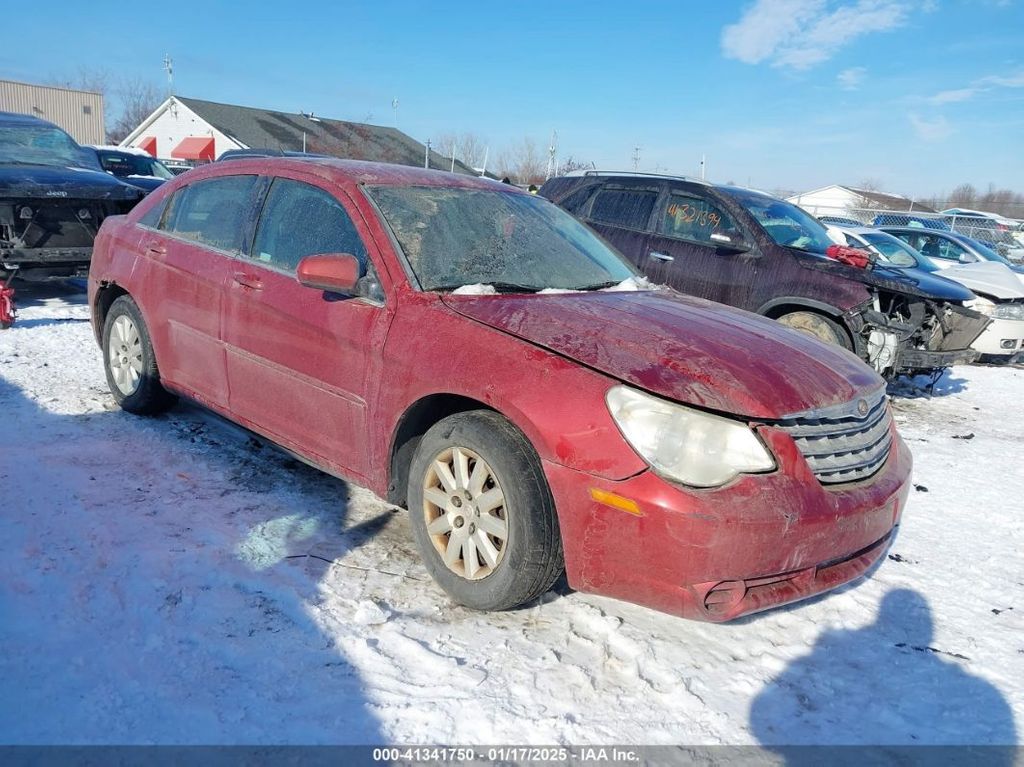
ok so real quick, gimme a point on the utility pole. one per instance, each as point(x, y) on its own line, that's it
point(426, 156)
point(169, 69)
point(487, 153)
point(394, 105)
point(552, 149)
point(636, 158)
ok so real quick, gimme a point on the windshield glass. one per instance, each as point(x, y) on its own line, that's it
point(455, 237)
point(894, 251)
point(128, 164)
point(987, 253)
point(784, 222)
point(41, 145)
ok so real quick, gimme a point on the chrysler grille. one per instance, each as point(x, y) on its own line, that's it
point(844, 444)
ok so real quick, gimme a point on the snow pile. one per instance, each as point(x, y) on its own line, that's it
point(172, 580)
point(125, 149)
point(633, 283)
point(477, 289)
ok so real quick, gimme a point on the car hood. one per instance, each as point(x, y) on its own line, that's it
point(988, 277)
point(894, 280)
point(145, 183)
point(52, 182)
point(942, 286)
point(686, 349)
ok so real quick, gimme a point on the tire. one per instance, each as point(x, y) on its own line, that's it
point(501, 488)
point(129, 361)
point(819, 326)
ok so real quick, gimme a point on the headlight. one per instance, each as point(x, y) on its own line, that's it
point(1008, 312)
point(980, 304)
point(684, 444)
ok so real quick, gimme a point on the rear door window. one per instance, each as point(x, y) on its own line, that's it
point(628, 208)
point(300, 220)
point(699, 220)
point(933, 246)
point(212, 212)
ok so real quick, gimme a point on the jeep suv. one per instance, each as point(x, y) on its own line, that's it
point(753, 251)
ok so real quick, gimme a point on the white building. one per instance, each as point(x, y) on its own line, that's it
point(200, 131)
point(837, 200)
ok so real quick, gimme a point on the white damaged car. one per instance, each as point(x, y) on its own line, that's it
point(999, 291)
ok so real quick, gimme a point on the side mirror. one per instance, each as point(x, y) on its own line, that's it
point(334, 272)
point(967, 258)
point(729, 243)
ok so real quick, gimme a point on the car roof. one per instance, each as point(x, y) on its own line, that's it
point(16, 118)
point(633, 174)
point(355, 171)
point(857, 229)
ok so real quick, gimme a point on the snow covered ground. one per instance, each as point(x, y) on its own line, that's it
point(172, 580)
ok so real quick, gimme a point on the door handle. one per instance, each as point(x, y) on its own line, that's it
point(661, 256)
point(156, 250)
point(248, 281)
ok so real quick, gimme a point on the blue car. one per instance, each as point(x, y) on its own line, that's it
point(949, 248)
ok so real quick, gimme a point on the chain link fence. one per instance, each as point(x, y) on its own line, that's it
point(1004, 235)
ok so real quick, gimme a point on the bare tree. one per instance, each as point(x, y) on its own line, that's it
point(963, 196)
point(138, 100)
point(571, 163)
point(468, 148)
point(870, 185)
point(523, 163)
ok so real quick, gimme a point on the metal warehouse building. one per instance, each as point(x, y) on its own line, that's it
point(80, 113)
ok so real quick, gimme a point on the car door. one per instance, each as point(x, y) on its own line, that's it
point(301, 362)
point(702, 250)
point(188, 256)
point(622, 215)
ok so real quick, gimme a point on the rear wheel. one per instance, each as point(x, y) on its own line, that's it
point(130, 364)
point(817, 325)
point(482, 513)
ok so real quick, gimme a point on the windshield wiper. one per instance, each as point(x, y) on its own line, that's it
point(599, 285)
point(500, 287)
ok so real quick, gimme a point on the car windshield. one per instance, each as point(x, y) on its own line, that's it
point(895, 252)
point(784, 222)
point(987, 253)
point(128, 164)
point(513, 242)
point(42, 145)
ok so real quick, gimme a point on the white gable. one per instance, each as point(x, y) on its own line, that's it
point(172, 123)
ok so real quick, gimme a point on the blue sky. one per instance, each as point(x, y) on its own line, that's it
point(919, 95)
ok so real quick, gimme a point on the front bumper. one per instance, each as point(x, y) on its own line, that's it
point(999, 336)
point(910, 360)
point(761, 541)
point(46, 263)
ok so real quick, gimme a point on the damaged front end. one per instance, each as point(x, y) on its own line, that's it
point(43, 238)
point(905, 334)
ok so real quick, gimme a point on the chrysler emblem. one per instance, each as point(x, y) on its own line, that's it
point(862, 407)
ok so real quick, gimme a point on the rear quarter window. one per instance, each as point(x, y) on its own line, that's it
point(628, 208)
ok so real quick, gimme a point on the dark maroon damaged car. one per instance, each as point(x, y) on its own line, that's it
point(756, 252)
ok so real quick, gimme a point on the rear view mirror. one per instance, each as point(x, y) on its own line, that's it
point(334, 272)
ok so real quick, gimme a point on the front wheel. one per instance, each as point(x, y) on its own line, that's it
point(130, 364)
point(482, 513)
point(819, 326)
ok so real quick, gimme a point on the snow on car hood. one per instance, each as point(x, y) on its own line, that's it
point(989, 277)
point(683, 348)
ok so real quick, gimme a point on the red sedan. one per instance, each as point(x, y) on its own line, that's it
point(472, 353)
